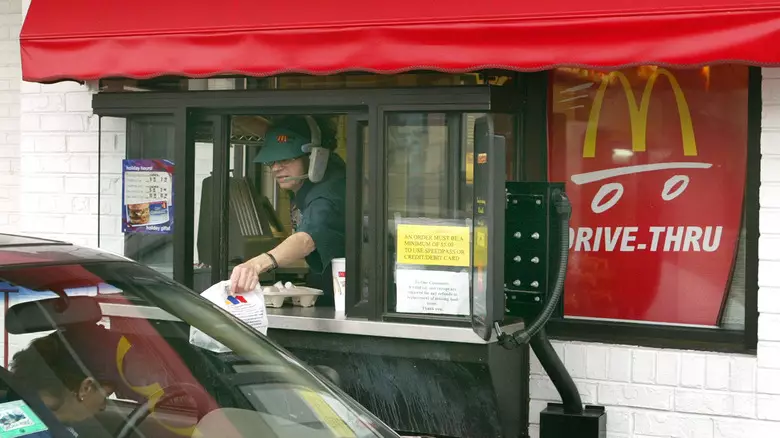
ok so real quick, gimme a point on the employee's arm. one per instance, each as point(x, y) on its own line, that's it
point(292, 249)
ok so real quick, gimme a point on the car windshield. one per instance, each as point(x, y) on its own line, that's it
point(122, 329)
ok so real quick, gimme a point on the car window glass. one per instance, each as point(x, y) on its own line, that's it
point(113, 338)
point(23, 414)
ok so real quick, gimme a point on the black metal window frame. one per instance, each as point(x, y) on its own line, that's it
point(361, 106)
point(528, 98)
point(533, 162)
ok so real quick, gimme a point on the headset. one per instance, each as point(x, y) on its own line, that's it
point(318, 155)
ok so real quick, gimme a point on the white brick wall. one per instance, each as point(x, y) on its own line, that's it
point(59, 143)
point(685, 394)
point(10, 79)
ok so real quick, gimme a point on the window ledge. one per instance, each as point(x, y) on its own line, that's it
point(654, 336)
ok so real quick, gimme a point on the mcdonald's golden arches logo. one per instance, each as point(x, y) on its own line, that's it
point(281, 138)
point(153, 393)
point(638, 114)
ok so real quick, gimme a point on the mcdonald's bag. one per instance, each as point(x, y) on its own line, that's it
point(248, 307)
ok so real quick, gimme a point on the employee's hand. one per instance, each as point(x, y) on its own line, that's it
point(244, 278)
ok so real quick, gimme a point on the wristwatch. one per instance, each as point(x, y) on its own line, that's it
point(273, 260)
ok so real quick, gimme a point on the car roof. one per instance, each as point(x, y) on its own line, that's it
point(17, 240)
point(16, 250)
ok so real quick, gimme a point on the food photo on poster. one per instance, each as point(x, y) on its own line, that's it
point(147, 196)
point(655, 164)
point(431, 269)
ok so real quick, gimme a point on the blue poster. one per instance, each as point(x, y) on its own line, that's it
point(147, 196)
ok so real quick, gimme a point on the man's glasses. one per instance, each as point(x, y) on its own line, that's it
point(280, 163)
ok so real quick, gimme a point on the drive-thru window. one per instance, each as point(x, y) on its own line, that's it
point(484, 154)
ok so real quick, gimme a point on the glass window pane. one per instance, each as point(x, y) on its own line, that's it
point(429, 206)
point(204, 198)
point(127, 333)
point(655, 166)
point(113, 147)
point(144, 238)
point(363, 144)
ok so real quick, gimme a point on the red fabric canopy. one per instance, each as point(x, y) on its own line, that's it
point(91, 39)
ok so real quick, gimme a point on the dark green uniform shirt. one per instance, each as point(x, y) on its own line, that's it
point(319, 210)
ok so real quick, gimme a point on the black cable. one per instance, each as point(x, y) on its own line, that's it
point(560, 377)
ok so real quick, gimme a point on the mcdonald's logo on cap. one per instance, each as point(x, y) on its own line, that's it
point(638, 114)
point(281, 138)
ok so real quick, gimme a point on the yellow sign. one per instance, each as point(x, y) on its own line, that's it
point(435, 245)
point(480, 246)
point(470, 168)
point(638, 114)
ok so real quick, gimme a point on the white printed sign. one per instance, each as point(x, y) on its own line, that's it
point(432, 292)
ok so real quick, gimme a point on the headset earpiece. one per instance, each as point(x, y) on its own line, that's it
point(318, 156)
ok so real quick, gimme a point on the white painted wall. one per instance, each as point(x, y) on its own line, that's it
point(52, 192)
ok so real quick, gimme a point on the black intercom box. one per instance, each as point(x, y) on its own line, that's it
point(532, 247)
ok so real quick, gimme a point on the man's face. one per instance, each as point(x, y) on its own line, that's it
point(289, 168)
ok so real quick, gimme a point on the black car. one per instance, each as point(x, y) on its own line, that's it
point(98, 345)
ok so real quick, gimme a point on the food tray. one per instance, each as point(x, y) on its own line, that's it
point(301, 296)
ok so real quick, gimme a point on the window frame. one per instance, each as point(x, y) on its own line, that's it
point(527, 99)
point(534, 166)
point(502, 103)
point(363, 104)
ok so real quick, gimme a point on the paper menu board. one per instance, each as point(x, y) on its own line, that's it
point(147, 196)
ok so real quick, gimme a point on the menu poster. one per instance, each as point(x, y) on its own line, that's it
point(147, 196)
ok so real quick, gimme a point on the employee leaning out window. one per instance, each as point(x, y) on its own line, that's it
point(315, 177)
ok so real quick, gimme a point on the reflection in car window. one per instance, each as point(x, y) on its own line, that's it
point(121, 329)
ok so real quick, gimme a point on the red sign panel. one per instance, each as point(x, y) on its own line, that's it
point(654, 163)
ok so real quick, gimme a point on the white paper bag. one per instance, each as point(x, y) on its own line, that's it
point(248, 307)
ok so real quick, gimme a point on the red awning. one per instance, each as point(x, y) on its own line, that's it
point(91, 39)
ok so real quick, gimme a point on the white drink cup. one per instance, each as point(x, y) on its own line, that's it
point(339, 267)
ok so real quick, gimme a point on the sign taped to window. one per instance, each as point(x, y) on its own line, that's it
point(433, 257)
point(433, 242)
point(147, 196)
point(654, 162)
